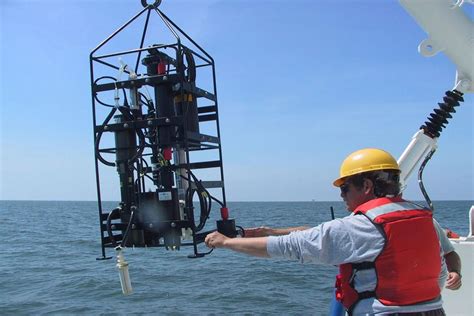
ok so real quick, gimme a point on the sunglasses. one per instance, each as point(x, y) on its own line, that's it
point(345, 187)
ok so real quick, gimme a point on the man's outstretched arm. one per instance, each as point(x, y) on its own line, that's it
point(250, 246)
point(264, 231)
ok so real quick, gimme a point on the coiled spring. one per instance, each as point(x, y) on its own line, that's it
point(438, 119)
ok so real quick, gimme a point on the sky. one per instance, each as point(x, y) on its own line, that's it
point(301, 84)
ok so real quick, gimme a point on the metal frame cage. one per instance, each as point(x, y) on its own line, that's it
point(155, 122)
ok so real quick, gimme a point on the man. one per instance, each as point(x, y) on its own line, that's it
point(452, 259)
point(387, 250)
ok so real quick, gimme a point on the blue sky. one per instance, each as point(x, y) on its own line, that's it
point(301, 84)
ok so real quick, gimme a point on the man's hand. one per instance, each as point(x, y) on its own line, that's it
point(453, 263)
point(454, 281)
point(215, 240)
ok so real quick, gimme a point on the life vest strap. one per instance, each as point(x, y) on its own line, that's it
point(363, 265)
point(366, 294)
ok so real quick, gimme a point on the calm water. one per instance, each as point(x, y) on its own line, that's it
point(48, 266)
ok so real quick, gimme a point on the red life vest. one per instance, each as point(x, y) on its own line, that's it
point(409, 265)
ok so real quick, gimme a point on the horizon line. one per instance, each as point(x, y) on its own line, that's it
point(247, 201)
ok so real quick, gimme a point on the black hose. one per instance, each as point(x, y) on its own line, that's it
point(99, 135)
point(204, 189)
point(204, 204)
point(127, 231)
point(219, 202)
point(420, 179)
point(242, 230)
point(128, 116)
point(103, 103)
point(143, 175)
point(191, 76)
point(104, 77)
point(108, 225)
point(148, 102)
point(207, 253)
point(107, 119)
point(435, 123)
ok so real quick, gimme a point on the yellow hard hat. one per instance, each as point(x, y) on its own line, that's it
point(364, 160)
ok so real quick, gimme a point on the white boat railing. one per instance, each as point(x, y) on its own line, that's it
point(461, 302)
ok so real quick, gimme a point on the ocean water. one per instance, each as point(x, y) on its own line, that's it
point(48, 265)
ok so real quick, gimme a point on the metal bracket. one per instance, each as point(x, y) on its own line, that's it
point(155, 5)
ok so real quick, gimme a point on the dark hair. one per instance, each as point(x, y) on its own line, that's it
point(386, 182)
